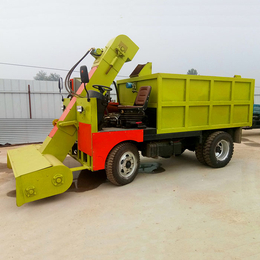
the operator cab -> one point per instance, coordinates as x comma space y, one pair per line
102, 101
113, 114
135, 114
132, 116
102, 95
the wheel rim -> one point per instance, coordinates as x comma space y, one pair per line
127, 165
222, 150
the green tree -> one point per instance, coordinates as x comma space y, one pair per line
42, 75
192, 72
54, 77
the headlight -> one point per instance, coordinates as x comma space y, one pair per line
80, 109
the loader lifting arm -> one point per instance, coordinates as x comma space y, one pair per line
38, 169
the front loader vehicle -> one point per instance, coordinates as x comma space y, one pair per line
159, 115
38, 169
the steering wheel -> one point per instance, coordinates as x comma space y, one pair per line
102, 88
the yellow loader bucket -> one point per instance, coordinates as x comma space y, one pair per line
37, 176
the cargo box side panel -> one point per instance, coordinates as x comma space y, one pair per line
172, 97
242, 96
184, 102
191, 103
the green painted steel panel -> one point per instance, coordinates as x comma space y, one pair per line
190, 102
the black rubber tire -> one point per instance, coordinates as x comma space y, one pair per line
126, 156
199, 149
218, 149
199, 153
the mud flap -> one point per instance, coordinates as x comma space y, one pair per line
37, 176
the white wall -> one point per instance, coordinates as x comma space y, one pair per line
257, 95
14, 99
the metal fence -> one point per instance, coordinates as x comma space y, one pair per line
24, 130
27, 109
29, 99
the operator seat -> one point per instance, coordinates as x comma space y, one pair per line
134, 115
141, 100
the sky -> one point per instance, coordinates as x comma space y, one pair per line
215, 37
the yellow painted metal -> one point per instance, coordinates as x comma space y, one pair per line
89, 114
17, 157
62, 141
146, 70
39, 170
37, 175
190, 103
118, 51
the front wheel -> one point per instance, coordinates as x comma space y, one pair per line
122, 164
218, 149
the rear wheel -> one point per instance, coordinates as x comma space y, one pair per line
199, 154
218, 149
199, 148
122, 164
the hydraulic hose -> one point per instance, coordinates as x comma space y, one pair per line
67, 79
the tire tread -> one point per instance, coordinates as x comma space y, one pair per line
200, 148
110, 161
207, 148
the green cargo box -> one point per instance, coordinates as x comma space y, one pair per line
189, 102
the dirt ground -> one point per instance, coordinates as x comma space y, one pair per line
184, 211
